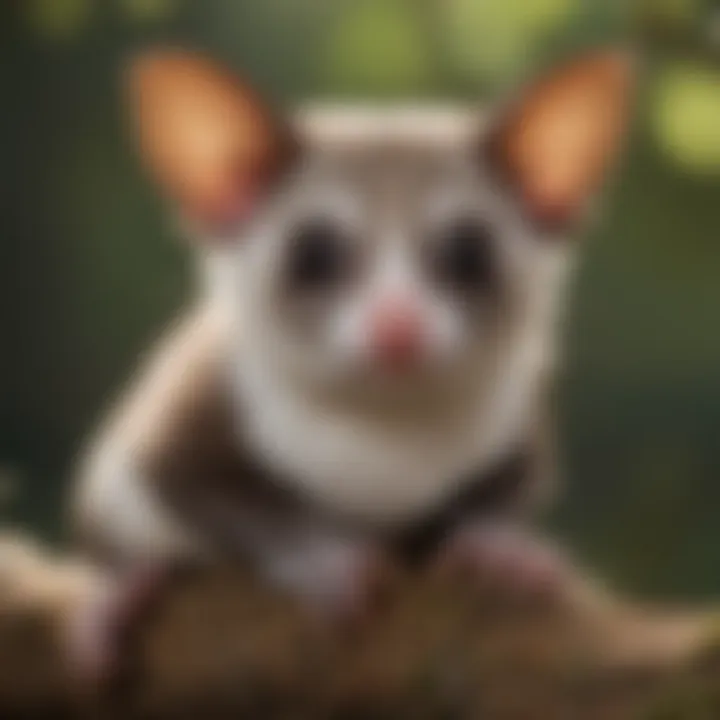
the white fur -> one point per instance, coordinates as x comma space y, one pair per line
365, 470
118, 502
396, 474
382, 473
114, 500
347, 123
393, 281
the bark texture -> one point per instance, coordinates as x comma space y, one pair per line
220, 645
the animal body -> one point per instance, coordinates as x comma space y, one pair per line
364, 376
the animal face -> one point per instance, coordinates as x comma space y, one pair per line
390, 257
393, 249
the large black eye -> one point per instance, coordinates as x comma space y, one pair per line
465, 258
318, 255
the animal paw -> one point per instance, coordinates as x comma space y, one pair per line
99, 625
339, 581
507, 558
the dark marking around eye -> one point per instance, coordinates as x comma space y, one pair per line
464, 257
318, 255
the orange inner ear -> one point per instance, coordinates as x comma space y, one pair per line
204, 135
555, 146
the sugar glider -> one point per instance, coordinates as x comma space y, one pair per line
364, 376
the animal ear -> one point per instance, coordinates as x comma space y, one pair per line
206, 137
556, 143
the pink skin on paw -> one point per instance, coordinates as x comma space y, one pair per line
338, 582
361, 591
99, 625
507, 558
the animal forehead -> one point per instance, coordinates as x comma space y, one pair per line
383, 168
373, 166
386, 154
388, 143
439, 126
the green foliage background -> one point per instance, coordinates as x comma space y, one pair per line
90, 269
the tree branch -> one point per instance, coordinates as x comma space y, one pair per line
222, 645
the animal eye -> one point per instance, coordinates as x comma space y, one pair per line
318, 255
465, 257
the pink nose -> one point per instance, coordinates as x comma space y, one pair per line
396, 334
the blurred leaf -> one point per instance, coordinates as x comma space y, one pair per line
669, 11
58, 18
148, 10
492, 40
713, 28
379, 47
688, 116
